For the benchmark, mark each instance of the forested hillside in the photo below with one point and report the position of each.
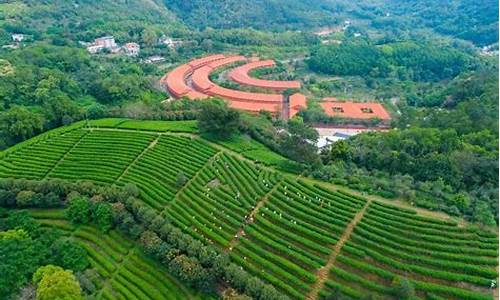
(473, 20)
(260, 14)
(83, 19)
(476, 21)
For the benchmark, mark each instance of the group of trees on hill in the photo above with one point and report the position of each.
(438, 169)
(25, 247)
(475, 21)
(410, 60)
(192, 262)
(50, 86)
(260, 14)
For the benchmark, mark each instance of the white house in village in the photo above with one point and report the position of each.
(154, 59)
(107, 42)
(93, 49)
(170, 42)
(132, 49)
(17, 37)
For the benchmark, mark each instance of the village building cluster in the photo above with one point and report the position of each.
(17, 39)
(108, 43)
(132, 49)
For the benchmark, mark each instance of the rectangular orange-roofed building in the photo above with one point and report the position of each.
(354, 110)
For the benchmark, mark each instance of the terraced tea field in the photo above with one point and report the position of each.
(124, 272)
(304, 238)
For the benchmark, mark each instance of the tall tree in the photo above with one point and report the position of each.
(217, 119)
(55, 283)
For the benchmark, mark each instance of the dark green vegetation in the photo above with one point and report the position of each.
(443, 156)
(471, 20)
(409, 60)
(260, 14)
(50, 86)
(476, 21)
(25, 246)
(66, 22)
(231, 212)
(108, 265)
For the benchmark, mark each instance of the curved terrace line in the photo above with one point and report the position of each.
(241, 76)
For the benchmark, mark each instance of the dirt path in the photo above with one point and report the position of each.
(251, 217)
(106, 283)
(64, 156)
(322, 273)
(150, 146)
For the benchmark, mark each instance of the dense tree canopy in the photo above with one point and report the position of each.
(411, 60)
(218, 120)
(55, 283)
(25, 246)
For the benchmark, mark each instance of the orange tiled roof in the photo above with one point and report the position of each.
(216, 90)
(354, 110)
(241, 76)
(226, 61)
(296, 103)
(245, 100)
(176, 79)
(274, 107)
(201, 80)
(196, 63)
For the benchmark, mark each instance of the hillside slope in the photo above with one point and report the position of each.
(476, 21)
(80, 18)
(260, 14)
(306, 239)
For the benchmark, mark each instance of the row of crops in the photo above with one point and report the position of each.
(102, 156)
(279, 228)
(155, 173)
(293, 234)
(124, 272)
(220, 198)
(36, 160)
(441, 258)
(189, 126)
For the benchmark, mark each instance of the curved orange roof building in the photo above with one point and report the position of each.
(354, 110)
(237, 99)
(241, 76)
(175, 81)
(205, 60)
(192, 80)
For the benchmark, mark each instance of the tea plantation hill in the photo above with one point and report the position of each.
(304, 237)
